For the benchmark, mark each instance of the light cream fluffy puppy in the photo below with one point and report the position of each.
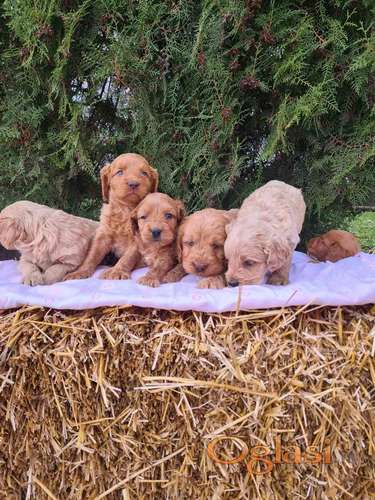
(261, 240)
(51, 242)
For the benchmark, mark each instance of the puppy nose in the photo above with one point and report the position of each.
(133, 184)
(155, 233)
(233, 283)
(200, 267)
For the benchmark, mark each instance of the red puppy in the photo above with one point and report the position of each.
(333, 246)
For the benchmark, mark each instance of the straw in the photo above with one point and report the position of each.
(122, 402)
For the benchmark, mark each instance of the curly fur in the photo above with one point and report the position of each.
(158, 212)
(51, 242)
(333, 246)
(261, 241)
(125, 182)
(200, 247)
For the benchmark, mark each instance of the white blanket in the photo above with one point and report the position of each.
(348, 282)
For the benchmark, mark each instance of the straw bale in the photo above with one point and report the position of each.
(122, 403)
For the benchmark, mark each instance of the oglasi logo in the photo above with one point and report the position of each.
(259, 460)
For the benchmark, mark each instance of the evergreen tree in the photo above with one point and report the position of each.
(220, 96)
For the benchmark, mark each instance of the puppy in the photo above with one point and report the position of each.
(264, 235)
(154, 223)
(51, 242)
(333, 246)
(200, 247)
(125, 182)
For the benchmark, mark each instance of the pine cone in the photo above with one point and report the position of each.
(104, 19)
(234, 52)
(253, 4)
(24, 53)
(25, 135)
(44, 30)
(177, 136)
(201, 58)
(249, 82)
(226, 113)
(266, 36)
(251, 7)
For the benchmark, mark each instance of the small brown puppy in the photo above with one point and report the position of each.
(200, 247)
(154, 223)
(125, 182)
(333, 246)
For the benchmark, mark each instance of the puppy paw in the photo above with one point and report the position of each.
(49, 279)
(34, 278)
(211, 282)
(171, 277)
(54, 274)
(78, 275)
(114, 274)
(149, 281)
(277, 279)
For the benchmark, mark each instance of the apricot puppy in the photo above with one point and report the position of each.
(154, 223)
(125, 182)
(200, 247)
(51, 242)
(262, 239)
(333, 246)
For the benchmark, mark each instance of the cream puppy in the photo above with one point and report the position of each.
(261, 240)
(51, 242)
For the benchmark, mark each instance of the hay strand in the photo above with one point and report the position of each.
(138, 473)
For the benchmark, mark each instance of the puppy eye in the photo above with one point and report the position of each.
(216, 246)
(189, 243)
(142, 217)
(168, 215)
(144, 173)
(119, 172)
(248, 263)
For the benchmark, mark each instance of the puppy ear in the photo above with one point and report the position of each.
(11, 230)
(317, 247)
(230, 216)
(134, 222)
(4, 224)
(6, 231)
(337, 252)
(154, 179)
(105, 180)
(278, 252)
(179, 242)
(180, 210)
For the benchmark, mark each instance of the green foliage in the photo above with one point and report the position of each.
(220, 96)
(363, 226)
